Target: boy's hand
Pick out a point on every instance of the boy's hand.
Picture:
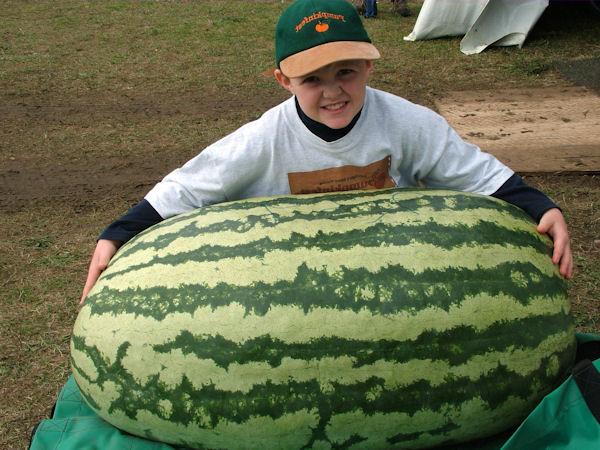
(105, 250)
(553, 224)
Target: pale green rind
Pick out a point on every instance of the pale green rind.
(293, 429)
(291, 324)
(142, 363)
(279, 232)
(277, 266)
(84, 363)
(105, 394)
(259, 432)
(381, 427)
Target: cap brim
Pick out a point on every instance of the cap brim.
(314, 58)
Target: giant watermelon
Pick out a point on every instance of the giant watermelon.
(372, 319)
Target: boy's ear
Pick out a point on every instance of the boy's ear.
(283, 81)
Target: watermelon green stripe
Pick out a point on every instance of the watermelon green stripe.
(448, 238)
(292, 430)
(498, 337)
(338, 235)
(291, 324)
(153, 362)
(283, 265)
(388, 291)
(295, 206)
(276, 401)
(444, 237)
(248, 229)
(395, 327)
(330, 371)
(370, 395)
(424, 429)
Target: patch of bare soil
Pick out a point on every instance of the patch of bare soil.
(27, 182)
(531, 130)
(76, 177)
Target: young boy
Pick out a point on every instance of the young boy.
(334, 133)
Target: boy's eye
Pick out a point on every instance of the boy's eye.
(343, 72)
(310, 80)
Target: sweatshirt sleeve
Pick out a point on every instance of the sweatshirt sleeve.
(136, 220)
(532, 201)
(434, 154)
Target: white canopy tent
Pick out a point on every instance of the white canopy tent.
(482, 22)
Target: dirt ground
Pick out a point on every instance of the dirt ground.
(29, 176)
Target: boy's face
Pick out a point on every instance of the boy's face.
(332, 95)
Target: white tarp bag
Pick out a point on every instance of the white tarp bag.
(440, 18)
(482, 22)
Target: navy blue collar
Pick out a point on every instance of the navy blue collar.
(323, 131)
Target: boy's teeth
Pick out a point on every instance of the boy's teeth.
(334, 106)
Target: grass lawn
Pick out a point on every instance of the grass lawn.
(98, 100)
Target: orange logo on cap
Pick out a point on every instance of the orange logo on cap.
(317, 16)
(321, 27)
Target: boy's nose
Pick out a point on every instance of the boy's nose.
(331, 90)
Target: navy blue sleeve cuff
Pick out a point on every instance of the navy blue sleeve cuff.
(137, 219)
(532, 201)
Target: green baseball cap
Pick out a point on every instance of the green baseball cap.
(311, 34)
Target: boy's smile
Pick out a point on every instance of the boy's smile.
(333, 94)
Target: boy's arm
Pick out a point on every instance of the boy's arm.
(532, 201)
(546, 213)
(136, 220)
